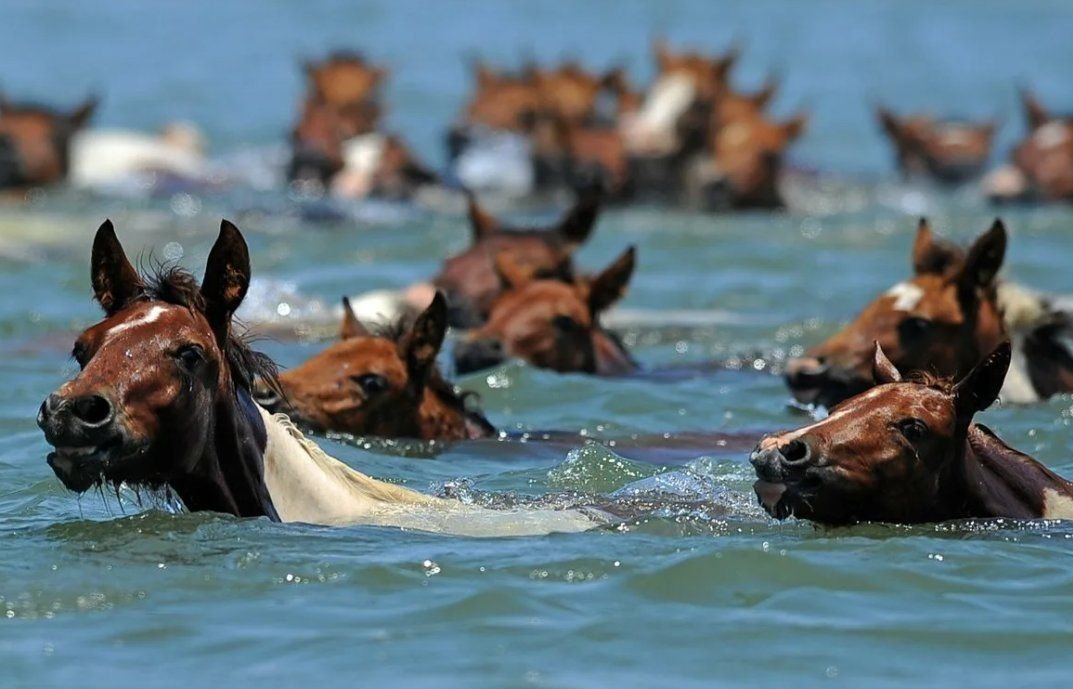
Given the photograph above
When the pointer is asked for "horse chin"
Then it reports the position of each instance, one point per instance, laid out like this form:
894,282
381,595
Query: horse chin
81,468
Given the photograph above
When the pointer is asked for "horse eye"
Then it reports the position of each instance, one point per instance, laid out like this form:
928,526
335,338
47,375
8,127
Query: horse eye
371,383
189,356
914,326
913,429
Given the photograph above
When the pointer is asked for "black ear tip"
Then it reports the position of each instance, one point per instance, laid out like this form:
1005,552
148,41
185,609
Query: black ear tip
346,304
998,226
439,301
106,228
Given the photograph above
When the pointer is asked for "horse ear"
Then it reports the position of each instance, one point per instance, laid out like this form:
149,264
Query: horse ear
424,340
1035,112
576,226
889,122
115,281
79,117
227,277
795,127
512,274
485,76
662,54
883,371
980,388
984,259
610,285
481,223
766,93
730,58
351,327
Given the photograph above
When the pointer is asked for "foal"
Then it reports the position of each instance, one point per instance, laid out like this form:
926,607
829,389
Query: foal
908,451
385,384
163,400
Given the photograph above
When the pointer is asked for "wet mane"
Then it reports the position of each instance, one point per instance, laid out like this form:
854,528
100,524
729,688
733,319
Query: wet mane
177,286
943,384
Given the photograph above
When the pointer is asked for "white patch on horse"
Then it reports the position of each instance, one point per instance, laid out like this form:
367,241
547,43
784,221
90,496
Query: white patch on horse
1056,505
847,409
146,318
906,296
956,136
1053,134
1017,388
652,127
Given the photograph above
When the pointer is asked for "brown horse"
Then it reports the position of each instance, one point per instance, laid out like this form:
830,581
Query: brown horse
379,384
1042,163
949,151
551,323
35,142
907,451
743,163
163,401
344,79
469,279
942,321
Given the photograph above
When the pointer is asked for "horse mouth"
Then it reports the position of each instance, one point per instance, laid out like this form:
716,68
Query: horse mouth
81,467
772,497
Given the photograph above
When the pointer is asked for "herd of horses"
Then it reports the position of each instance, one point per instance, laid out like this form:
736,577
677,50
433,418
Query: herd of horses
170,396
690,137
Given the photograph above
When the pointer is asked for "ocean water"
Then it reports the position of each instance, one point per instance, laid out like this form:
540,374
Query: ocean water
702,589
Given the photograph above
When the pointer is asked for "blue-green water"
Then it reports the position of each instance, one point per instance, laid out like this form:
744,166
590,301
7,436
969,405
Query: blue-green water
101,593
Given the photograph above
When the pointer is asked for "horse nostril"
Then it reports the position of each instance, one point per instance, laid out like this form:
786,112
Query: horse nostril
795,452
92,410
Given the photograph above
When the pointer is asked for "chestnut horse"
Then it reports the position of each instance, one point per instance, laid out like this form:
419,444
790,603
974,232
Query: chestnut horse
469,279
942,321
1041,166
949,151
907,451
382,384
551,323
163,401
35,142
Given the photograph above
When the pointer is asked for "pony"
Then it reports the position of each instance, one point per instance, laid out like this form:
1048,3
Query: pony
164,401
382,384
948,151
35,142
944,319
1041,165
908,451
469,278
550,323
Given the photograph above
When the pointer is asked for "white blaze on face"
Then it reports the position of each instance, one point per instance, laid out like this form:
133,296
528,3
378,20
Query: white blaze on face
652,127
846,410
906,296
150,316
361,160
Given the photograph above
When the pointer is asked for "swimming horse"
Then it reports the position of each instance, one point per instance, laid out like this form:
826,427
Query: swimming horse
949,151
1041,165
163,400
379,382
908,451
942,320
35,142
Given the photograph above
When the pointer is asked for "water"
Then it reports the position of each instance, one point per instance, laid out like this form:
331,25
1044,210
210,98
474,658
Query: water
706,590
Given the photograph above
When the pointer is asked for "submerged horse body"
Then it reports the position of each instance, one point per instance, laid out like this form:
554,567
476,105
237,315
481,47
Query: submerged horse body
952,312
908,451
164,399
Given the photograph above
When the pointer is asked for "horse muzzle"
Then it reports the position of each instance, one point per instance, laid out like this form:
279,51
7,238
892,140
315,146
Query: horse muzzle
786,476
476,355
87,439
812,380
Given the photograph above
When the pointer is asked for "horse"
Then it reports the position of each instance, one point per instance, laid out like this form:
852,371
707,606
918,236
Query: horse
948,151
743,162
953,311
163,401
550,323
908,451
469,278
344,78
382,384
35,142
1041,165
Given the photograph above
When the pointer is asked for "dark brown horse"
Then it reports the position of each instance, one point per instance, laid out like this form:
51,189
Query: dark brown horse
35,142
163,400
907,451
942,321
948,151
551,323
469,279
1041,164
379,384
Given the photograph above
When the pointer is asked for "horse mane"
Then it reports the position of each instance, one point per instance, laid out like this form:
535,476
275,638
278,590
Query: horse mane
456,399
174,285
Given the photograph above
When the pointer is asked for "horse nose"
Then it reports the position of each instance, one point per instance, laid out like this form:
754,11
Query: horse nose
92,411
806,371
476,355
774,462
88,418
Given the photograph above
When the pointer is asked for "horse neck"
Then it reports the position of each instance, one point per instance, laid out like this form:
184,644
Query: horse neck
991,479
229,476
307,485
